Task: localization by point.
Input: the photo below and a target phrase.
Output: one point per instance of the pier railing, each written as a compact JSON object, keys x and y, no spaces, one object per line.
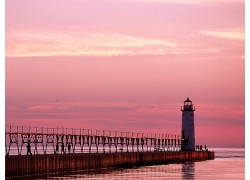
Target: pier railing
{"x":23,"y":140}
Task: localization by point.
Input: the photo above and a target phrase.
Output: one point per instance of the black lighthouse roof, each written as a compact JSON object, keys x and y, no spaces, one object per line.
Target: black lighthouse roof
{"x":188,"y":100}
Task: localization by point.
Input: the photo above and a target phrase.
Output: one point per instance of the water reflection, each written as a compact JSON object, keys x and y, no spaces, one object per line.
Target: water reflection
{"x":188,"y":170}
{"x":169,"y":171}
{"x":162,"y":171}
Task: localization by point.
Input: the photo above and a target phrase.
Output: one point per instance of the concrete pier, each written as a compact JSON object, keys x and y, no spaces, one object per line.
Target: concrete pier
{"x":24,"y":166}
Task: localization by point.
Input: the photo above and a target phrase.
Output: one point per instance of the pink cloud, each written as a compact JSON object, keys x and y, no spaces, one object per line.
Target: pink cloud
{"x":231,"y":35}
{"x":78,"y":42}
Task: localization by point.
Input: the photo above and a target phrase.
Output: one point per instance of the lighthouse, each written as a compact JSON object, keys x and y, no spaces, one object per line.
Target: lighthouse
{"x":187,"y":131}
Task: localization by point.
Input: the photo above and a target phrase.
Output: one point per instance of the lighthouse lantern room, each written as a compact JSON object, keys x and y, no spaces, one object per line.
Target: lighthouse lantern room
{"x":188,"y":131}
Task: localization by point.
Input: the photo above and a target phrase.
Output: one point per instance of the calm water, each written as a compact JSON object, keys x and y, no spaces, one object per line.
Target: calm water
{"x":228,"y":164}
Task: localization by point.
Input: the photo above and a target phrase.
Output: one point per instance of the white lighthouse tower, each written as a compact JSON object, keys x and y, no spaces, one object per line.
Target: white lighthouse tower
{"x":188,"y":132}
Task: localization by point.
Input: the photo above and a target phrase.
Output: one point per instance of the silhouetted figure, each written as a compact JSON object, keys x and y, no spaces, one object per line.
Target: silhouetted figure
{"x":69,"y":148}
{"x":201,"y":148}
{"x":57,"y":148}
{"x":62,"y":148}
{"x":205,"y":148}
{"x":29,"y":149}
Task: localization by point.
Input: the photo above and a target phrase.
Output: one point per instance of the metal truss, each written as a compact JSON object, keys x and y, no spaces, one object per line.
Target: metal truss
{"x":34,"y":140}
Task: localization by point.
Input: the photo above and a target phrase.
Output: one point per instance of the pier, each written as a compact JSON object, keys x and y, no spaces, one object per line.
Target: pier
{"x":32,"y":151}
{"x":19,"y":167}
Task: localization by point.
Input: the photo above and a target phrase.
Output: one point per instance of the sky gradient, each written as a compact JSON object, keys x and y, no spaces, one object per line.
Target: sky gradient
{"x":127,"y":66}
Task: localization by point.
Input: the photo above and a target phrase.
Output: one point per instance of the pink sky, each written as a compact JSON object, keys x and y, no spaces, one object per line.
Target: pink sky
{"x":127,"y":66}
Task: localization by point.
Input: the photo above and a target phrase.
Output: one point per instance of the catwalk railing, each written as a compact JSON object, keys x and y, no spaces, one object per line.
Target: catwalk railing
{"x":23,"y":140}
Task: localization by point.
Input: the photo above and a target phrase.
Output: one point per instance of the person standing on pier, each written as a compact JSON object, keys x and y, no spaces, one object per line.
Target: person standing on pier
{"x":62,"y":150}
{"x":57,"y":149}
{"x":69,"y":148}
{"x":29,"y":149}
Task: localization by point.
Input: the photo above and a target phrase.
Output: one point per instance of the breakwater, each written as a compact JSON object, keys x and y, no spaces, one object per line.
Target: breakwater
{"x":24,"y":166}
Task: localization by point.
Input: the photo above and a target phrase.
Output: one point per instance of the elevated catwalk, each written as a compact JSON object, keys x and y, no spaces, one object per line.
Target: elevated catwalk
{"x":65,"y":140}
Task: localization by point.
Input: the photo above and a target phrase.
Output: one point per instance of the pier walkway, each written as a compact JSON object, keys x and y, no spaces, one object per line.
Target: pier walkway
{"x":21,"y":140}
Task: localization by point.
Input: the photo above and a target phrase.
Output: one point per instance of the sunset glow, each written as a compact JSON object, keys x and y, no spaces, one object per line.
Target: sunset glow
{"x":127,"y":66}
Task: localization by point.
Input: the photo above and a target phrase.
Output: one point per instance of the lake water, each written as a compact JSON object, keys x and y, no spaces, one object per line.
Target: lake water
{"x":228,"y":164}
